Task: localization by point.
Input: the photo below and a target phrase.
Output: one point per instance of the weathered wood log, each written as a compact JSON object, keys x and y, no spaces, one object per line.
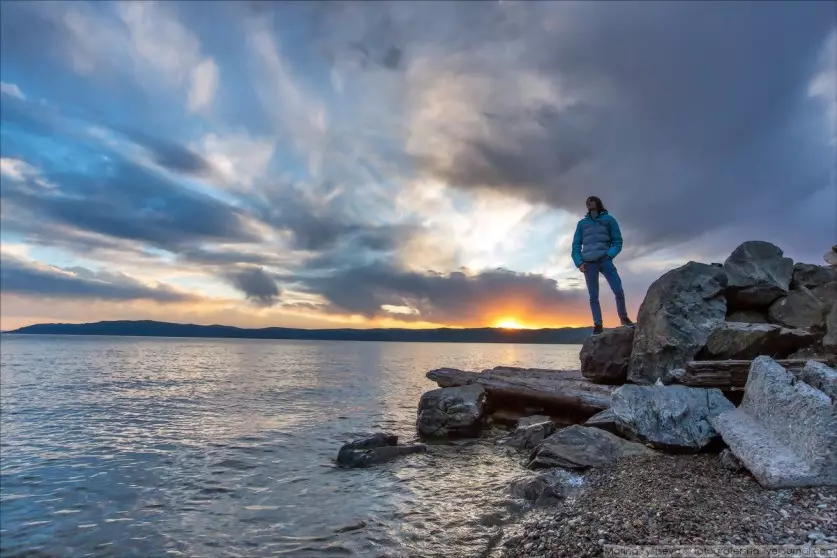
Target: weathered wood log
{"x":557,"y":389}
{"x":727,"y":374}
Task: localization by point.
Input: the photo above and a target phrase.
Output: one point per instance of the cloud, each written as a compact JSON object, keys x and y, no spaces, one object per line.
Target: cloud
{"x":12,"y":90}
{"x":204,"y":83}
{"x":258,"y":285}
{"x":454,"y":298}
{"x":29,"y":278}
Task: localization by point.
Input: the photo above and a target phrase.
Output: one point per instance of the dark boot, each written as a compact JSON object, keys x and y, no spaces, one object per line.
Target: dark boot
{"x":597,"y":330}
{"x":626,"y":321}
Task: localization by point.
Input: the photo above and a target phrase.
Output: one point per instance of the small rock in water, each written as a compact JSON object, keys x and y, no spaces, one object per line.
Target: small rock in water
{"x":378,"y":448}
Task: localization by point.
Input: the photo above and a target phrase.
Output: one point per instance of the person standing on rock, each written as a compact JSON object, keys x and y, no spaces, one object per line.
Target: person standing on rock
{"x":596,"y":242}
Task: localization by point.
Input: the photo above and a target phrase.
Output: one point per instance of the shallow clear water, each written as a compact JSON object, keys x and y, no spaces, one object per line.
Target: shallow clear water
{"x":193,"y":447}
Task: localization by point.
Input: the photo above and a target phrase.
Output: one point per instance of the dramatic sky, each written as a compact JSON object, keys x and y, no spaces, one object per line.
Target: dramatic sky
{"x":333,"y":164}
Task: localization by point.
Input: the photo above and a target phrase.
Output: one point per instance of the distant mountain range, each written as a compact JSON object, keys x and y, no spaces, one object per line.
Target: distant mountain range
{"x":444,"y":335}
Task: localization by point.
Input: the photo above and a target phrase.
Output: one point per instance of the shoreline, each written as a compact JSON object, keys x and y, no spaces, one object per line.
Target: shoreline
{"x":673,"y":500}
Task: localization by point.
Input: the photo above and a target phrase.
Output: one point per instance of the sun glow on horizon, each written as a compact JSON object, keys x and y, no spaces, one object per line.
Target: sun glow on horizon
{"x":510,"y":323}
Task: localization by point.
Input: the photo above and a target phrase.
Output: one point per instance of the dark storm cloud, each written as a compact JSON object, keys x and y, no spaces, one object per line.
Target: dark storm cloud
{"x":456,"y":298}
{"x":688,"y":115}
{"x":682,"y":116}
{"x":18,"y":276}
{"x":256,"y":284}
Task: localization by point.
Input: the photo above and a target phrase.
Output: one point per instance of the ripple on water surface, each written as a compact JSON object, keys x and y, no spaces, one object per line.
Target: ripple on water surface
{"x":159,"y":447}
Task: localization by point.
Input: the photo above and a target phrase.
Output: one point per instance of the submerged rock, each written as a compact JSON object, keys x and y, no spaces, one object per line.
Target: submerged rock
{"x":675,"y":319}
{"x":672,"y":418}
{"x":580,"y":447}
{"x":546,"y":489}
{"x":378,"y":448}
{"x":452,"y":411}
{"x":605,"y":358}
{"x":529,"y":435}
{"x":758,"y":273}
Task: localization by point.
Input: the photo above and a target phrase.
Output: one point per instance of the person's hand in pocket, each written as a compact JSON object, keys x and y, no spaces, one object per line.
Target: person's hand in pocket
{"x":583,"y":268}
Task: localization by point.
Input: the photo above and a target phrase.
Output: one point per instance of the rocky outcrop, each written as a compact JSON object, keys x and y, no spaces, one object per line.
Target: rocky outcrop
{"x":742,"y":341}
{"x":671,"y":418}
{"x":562,"y":390}
{"x":758,"y":274}
{"x":830,"y":257}
{"x":378,"y":448}
{"x":451,"y":412}
{"x":785,"y":431}
{"x":528,"y":436}
{"x":674,"y":321}
{"x":605,"y":358}
{"x":580,"y":447}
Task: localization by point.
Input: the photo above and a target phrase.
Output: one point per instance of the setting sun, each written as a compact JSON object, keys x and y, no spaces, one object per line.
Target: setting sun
{"x":509,"y":323}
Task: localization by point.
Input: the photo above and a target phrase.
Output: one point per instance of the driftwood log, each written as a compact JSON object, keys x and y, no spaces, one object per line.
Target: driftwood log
{"x":729,"y":374}
{"x":560,"y":390}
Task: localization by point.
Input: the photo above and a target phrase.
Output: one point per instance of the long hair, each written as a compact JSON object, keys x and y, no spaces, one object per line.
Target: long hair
{"x":599,"y":205}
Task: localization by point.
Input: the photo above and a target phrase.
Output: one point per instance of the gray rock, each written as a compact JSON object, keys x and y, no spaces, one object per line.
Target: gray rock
{"x":528,"y":436}
{"x":785,"y":431}
{"x":605,"y":358}
{"x":452,"y":411}
{"x":758,"y":274}
{"x":533,"y":419}
{"x":674,"y":320}
{"x":742,"y":341}
{"x":580,"y":447}
{"x":546,"y":489}
{"x":748,"y":317}
{"x":802,"y":308}
{"x":812,"y":276}
{"x":605,"y":420}
{"x":819,"y":376}
{"x":378,"y":448}
{"x":672,"y":418}
{"x":729,"y":461}
{"x":830,"y":257}
{"x":829,"y":342}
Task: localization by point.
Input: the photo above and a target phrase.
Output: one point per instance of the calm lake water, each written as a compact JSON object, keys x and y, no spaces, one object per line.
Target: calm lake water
{"x":152,"y":447}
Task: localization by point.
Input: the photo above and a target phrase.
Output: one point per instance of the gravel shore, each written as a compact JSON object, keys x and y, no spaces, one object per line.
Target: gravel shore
{"x":675,"y":500}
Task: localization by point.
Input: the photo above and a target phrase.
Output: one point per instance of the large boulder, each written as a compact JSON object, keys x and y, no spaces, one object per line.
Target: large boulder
{"x":811,"y":276}
{"x":528,"y":436}
{"x":830,"y":257}
{"x":740,"y":341}
{"x":671,"y":418}
{"x":581,"y":447}
{"x":452,"y":411}
{"x":803,"y":308}
{"x":674,"y":320}
{"x":605,"y":357}
{"x":378,"y":448}
{"x":758,"y":274}
{"x":785,"y":430}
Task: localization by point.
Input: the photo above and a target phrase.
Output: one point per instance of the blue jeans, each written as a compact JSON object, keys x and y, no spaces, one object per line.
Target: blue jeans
{"x":591,"y":275}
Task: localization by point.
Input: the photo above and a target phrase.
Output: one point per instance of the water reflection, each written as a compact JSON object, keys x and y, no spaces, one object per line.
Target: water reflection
{"x":155,"y":447}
